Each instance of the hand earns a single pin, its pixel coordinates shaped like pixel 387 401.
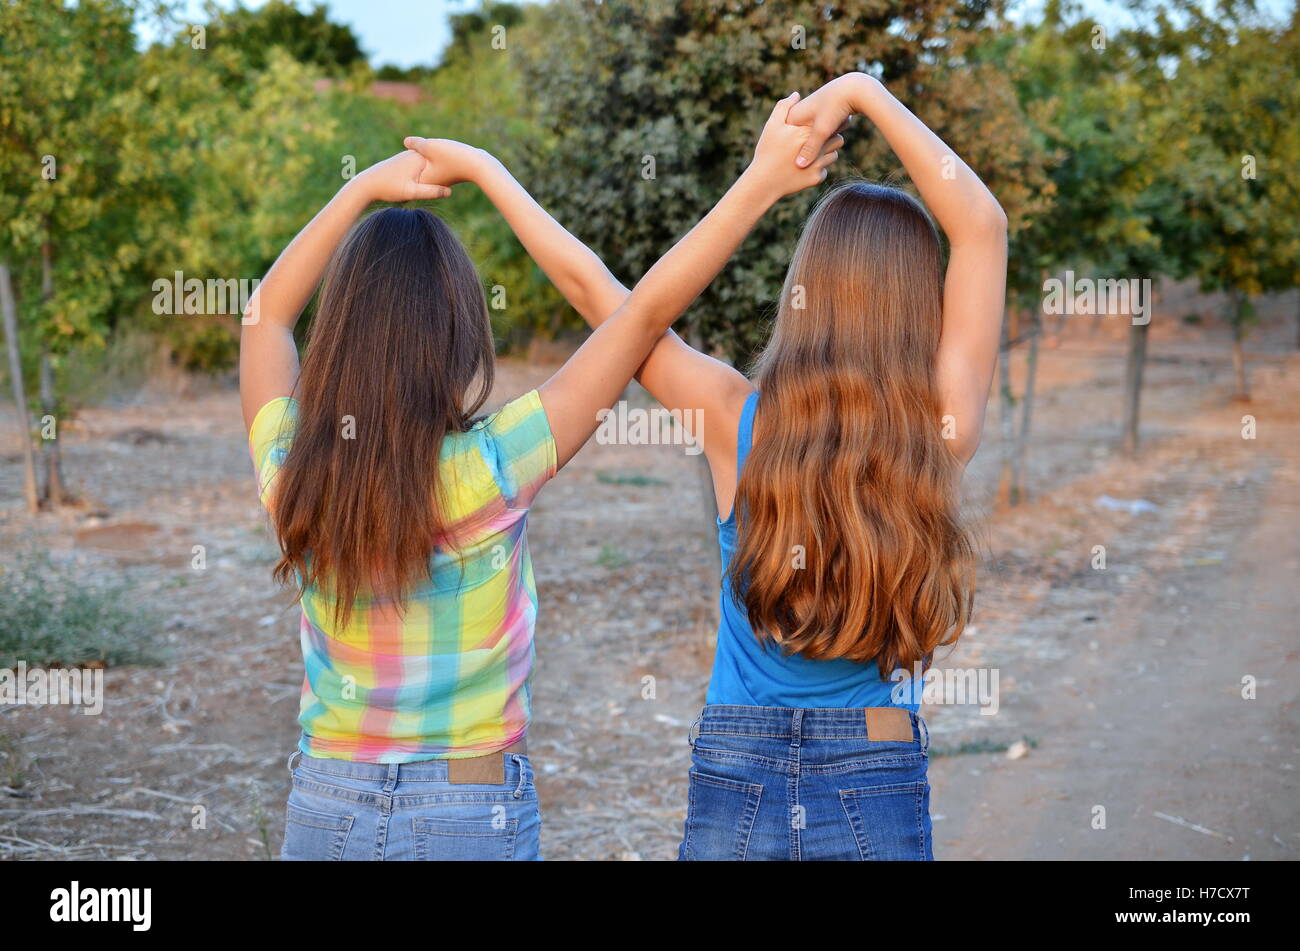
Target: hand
pixel 407 176
pixel 778 146
pixel 451 162
pixel 827 111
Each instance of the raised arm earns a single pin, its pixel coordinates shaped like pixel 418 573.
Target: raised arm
pixel 678 376
pixel 268 356
pixel 971 218
pixel 594 377
pixel 570 265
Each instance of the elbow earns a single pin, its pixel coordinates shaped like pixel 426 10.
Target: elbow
pixel 653 322
pixel 983 226
pixel 579 302
pixel 983 223
pixel 583 293
pixel 963 450
pixel 966 452
pixel 963 445
pixel 994 218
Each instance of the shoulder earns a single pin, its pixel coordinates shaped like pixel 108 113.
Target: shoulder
pixel 273 425
pixel 518 445
pixel 519 426
pixel 523 410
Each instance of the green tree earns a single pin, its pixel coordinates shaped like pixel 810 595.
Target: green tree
pixel 122 168
pixel 475 32
pixel 1101 112
pixel 308 37
pixel 223 181
pixel 1236 213
pixel 62 73
pixel 650 111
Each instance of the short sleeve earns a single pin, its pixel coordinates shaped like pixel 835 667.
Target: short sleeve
pixel 522 447
pixel 269 441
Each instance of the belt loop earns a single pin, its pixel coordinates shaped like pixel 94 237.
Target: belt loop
pixel 796 728
pixel 290 763
pixel 693 733
pixel 925 733
pixel 523 774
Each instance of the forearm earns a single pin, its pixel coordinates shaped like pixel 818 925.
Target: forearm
pixel 669 287
pixel 959 201
pixel 293 278
pixel 576 271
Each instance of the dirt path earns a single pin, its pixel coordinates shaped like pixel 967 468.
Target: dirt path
pixel 1142 712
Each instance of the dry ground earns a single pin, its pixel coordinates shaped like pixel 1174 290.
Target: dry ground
pixel 1125 683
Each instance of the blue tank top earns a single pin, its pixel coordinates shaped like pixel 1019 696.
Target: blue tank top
pixel 749 673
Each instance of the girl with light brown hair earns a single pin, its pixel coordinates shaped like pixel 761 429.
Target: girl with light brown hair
pixel 401 511
pixel 836 469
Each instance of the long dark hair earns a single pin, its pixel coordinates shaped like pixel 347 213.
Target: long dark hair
pixel 852 472
pixel 399 355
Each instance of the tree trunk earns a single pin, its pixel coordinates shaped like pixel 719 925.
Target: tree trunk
pixel 1019 493
pixel 53 464
pixel 1006 413
pixel 1137 357
pixel 1238 348
pixel 10 317
pixel 1239 368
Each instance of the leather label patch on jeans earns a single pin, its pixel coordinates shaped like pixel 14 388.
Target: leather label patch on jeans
pixel 479 770
pixel 885 724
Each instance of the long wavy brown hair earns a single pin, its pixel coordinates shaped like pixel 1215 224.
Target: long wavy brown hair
pixel 400 354
pixel 849 542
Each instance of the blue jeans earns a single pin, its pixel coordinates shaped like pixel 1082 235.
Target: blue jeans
pixel 773 783
pixel 344 811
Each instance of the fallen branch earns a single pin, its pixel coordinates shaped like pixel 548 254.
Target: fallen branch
pixel 1191 825
pixel 83 811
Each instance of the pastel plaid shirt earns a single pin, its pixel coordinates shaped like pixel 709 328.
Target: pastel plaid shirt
pixel 449 677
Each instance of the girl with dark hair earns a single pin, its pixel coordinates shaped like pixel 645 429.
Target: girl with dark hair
pixel 401 513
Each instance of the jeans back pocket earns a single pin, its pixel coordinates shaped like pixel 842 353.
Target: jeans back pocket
pixel 314 836
pixel 465 840
pixel 720 817
pixel 890 823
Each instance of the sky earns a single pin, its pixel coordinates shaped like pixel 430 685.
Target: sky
pixel 399 32
pixel 414 32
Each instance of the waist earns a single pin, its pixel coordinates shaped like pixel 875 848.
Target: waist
pixel 748 673
pixel 430 770
pixel 794 724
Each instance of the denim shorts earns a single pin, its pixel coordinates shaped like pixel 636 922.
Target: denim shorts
pixel 775 783
pixel 340 810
